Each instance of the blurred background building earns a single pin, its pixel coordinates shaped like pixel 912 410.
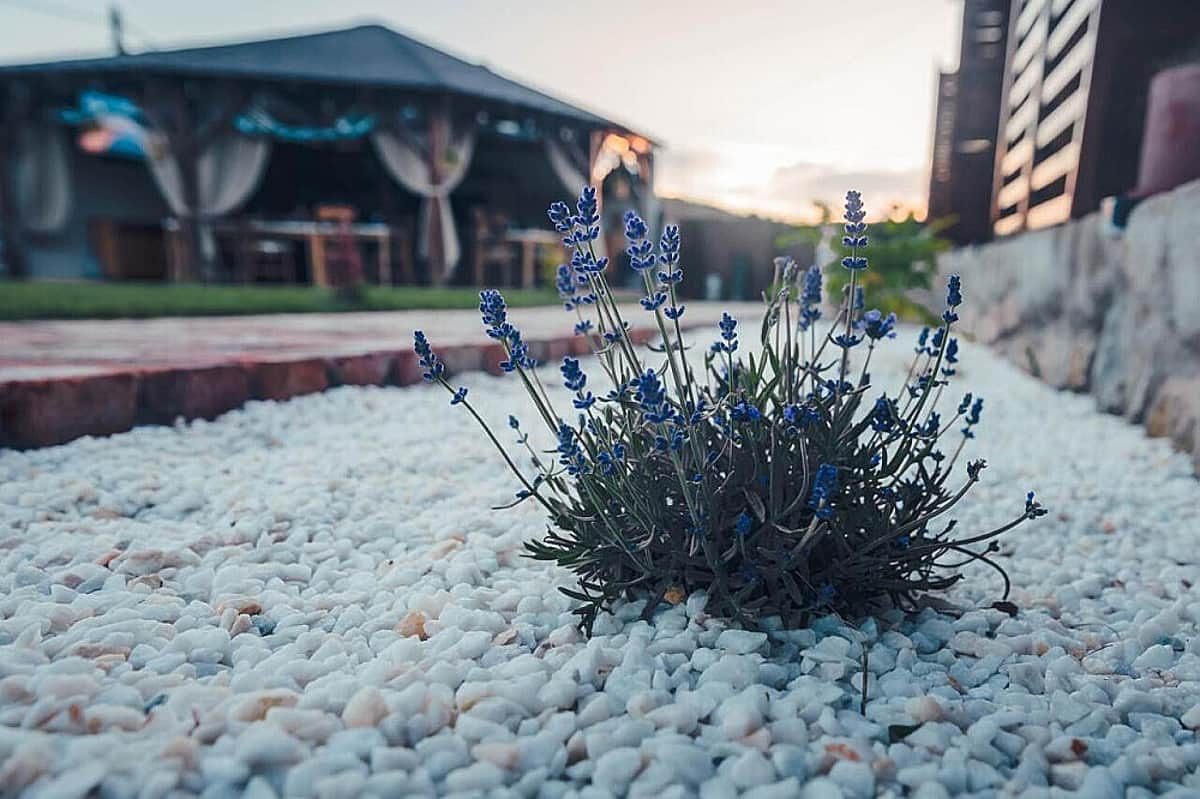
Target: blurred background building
pixel 296 160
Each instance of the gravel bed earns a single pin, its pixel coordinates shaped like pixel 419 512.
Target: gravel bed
pixel 312 598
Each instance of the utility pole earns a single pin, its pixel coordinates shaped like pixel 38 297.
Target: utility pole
pixel 116 29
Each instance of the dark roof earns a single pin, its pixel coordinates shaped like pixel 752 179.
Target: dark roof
pixel 367 55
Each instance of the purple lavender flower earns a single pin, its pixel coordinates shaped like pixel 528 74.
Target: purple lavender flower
pixel 825 484
pixel 876 326
pixel 433 366
pixel 728 327
pixel 855 228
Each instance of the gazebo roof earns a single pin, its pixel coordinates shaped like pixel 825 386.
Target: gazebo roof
pixel 367 55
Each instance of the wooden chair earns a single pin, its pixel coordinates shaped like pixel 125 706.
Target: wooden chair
pixel 339 251
pixel 268 260
pixel 490 250
pixel 260 258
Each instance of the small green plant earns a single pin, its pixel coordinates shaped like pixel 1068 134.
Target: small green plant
pixel 775 480
pixel 903 256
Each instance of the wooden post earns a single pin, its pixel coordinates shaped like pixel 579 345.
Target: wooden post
pixel 385 259
pixel 10 225
pixel 595 180
pixel 10 229
pixel 439 129
pixel 166 105
pixel 183 146
pixel 170 110
pixel 646 170
pixel 649 202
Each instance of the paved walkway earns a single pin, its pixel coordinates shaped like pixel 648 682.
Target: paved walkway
pixel 63 379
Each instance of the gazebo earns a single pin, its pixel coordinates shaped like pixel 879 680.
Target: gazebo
pixel 362 135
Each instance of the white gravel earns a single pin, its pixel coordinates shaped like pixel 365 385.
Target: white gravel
pixel 311 599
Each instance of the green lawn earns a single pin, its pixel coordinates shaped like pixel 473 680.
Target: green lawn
pixel 95 300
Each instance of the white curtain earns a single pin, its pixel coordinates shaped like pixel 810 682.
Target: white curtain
pixel 571 171
pixel 42 178
pixel 571 168
pixel 227 172
pixel 404 156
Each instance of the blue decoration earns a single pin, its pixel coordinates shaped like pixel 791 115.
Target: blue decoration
pixel 258 122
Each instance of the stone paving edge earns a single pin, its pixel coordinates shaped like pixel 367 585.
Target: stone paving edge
pixel 48 411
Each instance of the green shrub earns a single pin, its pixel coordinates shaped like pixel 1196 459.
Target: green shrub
pixel 903 260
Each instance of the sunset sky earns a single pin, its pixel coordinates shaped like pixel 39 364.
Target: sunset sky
pixel 761 106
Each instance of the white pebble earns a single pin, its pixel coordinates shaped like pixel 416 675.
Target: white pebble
pixel 741 642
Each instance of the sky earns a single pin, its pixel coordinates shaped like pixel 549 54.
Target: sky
pixel 761 105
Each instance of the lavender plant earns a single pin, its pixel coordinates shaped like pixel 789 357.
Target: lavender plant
pixel 774 479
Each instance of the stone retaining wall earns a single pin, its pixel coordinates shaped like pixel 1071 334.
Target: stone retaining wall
pixel 1116 317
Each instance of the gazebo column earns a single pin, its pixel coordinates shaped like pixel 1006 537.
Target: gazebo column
pixel 595 179
pixel 439 133
pixel 10 233
pixel 182 142
pixel 166 105
pixel 173 114
pixel 645 163
pixel 431 165
pixel 10 227
pixel 650 207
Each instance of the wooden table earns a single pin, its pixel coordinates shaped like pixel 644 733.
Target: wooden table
pixel 313 234
pixel 529 241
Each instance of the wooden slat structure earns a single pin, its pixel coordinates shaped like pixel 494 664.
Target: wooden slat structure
pixel 968 112
pixel 1074 102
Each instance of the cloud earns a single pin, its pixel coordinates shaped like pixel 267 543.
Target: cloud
pixel 803 183
pixel 750 181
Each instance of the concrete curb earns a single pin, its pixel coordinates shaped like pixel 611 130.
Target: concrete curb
pixel 48 411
